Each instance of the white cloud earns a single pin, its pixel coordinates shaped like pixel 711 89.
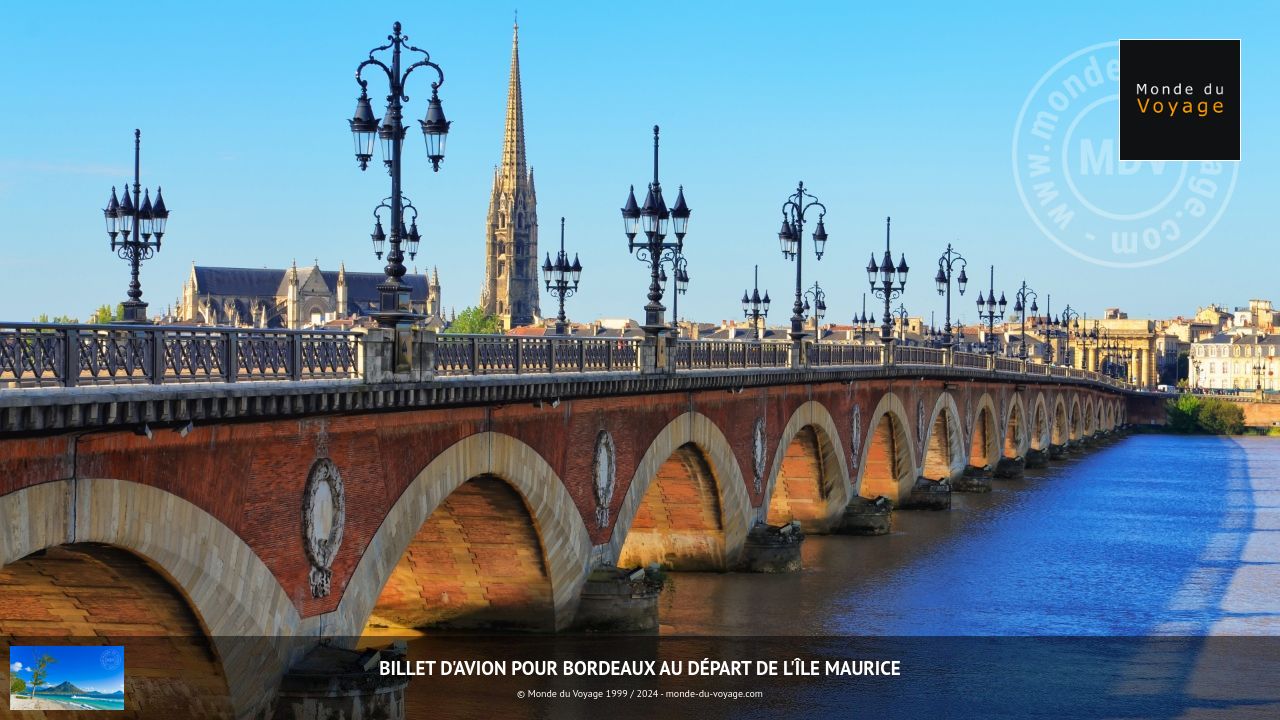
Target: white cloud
pixel 16 667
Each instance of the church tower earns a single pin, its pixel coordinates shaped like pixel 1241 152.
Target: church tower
pixel 511 287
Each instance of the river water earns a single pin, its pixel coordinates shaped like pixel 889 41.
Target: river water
pixel 1114 584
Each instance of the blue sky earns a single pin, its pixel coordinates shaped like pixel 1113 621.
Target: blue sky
pixel 903 109
pixel 82 666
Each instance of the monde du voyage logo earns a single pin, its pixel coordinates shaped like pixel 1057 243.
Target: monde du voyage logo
pixel 1124 152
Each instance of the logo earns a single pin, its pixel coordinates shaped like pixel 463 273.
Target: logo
pixel 1082 196
pixel 111 658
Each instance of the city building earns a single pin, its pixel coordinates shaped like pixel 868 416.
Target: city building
pixel 1240 360
pixel 294 297
pixel 511 282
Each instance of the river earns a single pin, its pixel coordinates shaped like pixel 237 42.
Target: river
pixel 1111 584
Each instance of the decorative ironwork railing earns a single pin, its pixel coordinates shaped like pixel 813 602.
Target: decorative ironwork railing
pixel 39 355
pixel 53 355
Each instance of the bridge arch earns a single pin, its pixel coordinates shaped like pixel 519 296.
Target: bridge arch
pixel 1061 430
pixel 1076 418
pixel 810 479
pixel 232 595
pixel 887 465
pixel 1040 436
pixel 944 450
pixel 690 453
pixel 984 448
pixel 1090 416
pixel 499 471
pixel 1015 432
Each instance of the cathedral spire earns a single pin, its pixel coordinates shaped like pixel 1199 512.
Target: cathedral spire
pixel 513 159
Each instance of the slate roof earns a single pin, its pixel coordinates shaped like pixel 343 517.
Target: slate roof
pixel 240 282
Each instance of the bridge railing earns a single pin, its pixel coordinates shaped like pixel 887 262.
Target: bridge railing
pixel 913 355
pixel 729 354
pixel 969 360
pixel 56 355
pixel 836 354
pixel 1005 364
pixel 502 355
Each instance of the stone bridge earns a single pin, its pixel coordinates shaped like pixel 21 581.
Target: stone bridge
pixel 261 516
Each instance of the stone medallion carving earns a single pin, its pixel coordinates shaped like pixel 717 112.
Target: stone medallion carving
pixel 758 447
pixel 855 437
pixel 603 472
pixel 324 511
pixel 921 421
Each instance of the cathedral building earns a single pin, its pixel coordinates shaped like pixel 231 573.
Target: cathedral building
pixel 295 297
pixel 511 286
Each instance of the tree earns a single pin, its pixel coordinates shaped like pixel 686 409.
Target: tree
pixel 105 314
pixel 40 673
pixel 17 685
pixel 1184 413
pixel 474 321
pixel 1221 417
pixel 44 319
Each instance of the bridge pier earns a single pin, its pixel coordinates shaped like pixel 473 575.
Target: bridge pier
pixel 772 549
pixel 974 480
pixel 1057 452
pixel 615 600
pixel 866 517
pixel 1037 459
pixel 929 495
pixel 336 682
pixel 1011 468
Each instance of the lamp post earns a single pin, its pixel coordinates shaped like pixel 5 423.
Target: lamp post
pixel 819 307
pixel 901 316
pixel 140 227
pixel 987 311
pixel 393 294
pixel 652 219
pixel 862 322
pixel 789 237
pixel 562 278
pixel 680 269
pixel 887 282
pixel 1070 322
pixel 1021 299
pixel 755 308
pixel 946 264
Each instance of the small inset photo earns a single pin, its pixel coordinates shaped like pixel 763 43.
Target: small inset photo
pixel 66 677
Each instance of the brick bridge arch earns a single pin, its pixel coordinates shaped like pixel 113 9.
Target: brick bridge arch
pixel 688 469
pixel 1075 419
pixel 237 600
pixel 1061 430
pixel 1040 434
pixel 984 448
pixel 810 479
pixel 1016 434
pixel 494 457
pixel 887 466
pixel 943 445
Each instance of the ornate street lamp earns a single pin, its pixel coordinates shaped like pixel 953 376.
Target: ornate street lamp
pixel 139 224
pixel 819 308
pixel 1021 299
pixel 1070 324
pixel 652 219
pixel 946 264
pixel 987 311
pixel 754 307
pixel 887 282
pixel 561 278
pixel 679 269
pixel 790 240
pixel 393 294
pixel 862 323
pixel 901 316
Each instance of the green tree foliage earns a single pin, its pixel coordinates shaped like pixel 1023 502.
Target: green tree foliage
pixel 473 321
pixel 1191 414
pixel 40 673
pixel 107 313
pixel 1220 417
pixel 17 685
pixel 44 319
